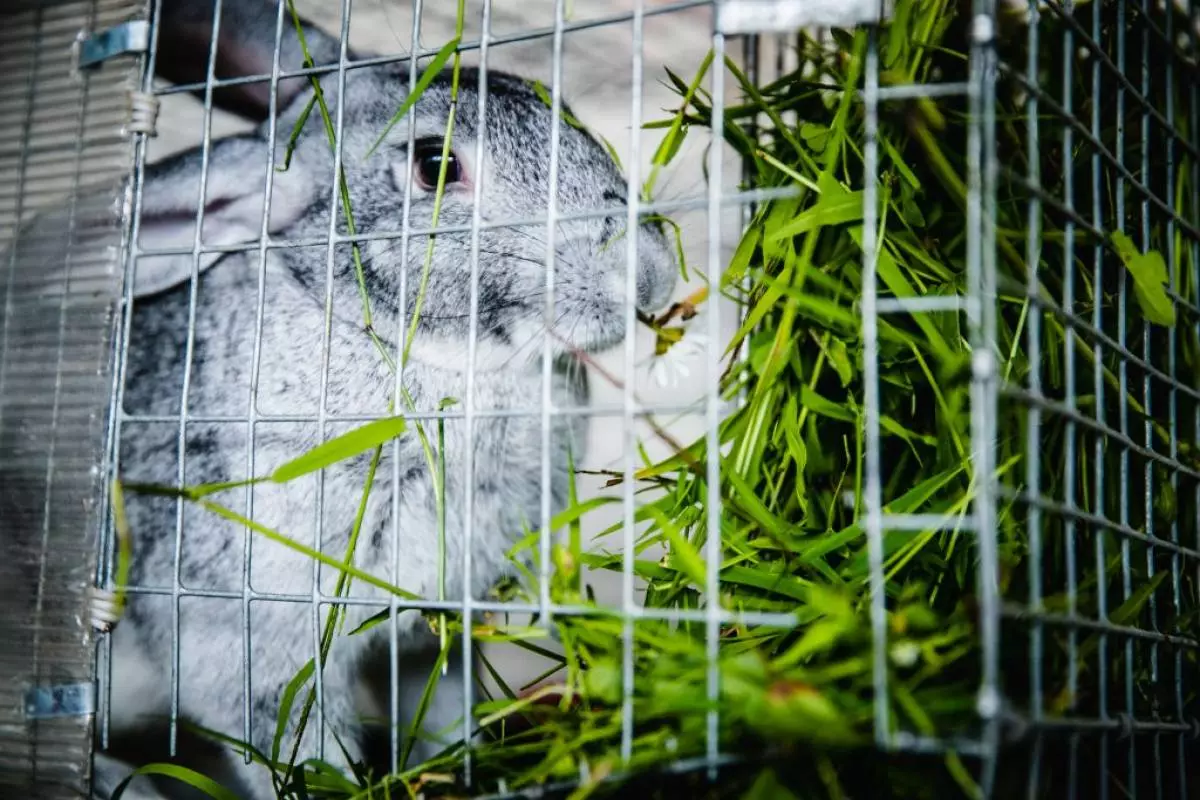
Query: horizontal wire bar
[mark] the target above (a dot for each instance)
(1019, 612)
(1138, 17)
(1149, 24)
(907, 91)
(1046, 404)
(1080, 324)
(926, 522)
(1143, 104)
(1128, 356)
(918, 305)
(1061, 509)
(1122, 723)
(493, 413)
(474, 44)
(1106, 155)
(750, 618)
(932, 745)
(692, 204)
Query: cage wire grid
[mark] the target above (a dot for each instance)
(1083, 136)
(1165, 649)
(545, 608)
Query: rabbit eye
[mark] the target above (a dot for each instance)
(427, 164)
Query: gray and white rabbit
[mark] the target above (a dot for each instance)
(310, 365)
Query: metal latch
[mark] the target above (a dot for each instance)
(95, 48)
(63, 700)
(782, 16)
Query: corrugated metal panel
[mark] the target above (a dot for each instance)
(64, 159)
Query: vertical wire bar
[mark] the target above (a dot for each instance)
(1194, 247)
(189, 349)
(713, 549)
(873, 499)
(547, 354)
(255, 369)
(398, 397)
(1098, 454)
(632, 225)
(750, 68)
(469, 406)
(1172, 371)
(326, 348)
(1123, 382)
(981, 269)
(1147, 401)
(1070, 432)
(751, 63)
(120, 355)
(1033, 441)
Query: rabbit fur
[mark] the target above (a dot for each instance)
(297, 345)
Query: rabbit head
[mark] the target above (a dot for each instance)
(590, 253)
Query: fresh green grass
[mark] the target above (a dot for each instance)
(797, 703)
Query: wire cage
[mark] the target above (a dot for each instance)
(286, 376)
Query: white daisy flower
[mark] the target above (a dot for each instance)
(668, 366)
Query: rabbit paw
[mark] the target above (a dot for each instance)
(105, 608)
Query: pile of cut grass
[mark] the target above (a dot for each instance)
(793, 469)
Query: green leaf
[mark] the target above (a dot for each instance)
(1149, 273)
(825, 407)
(295, 135)
(431, 683)
(422, 84)
(181, 774)
(124, 543)
(741, 257)
(370, 622)
(612, 151)
(814, 135)
(671, 141)
(285, 704)
(360, 440)
(328, 778)
(767, 787)
(840, 358)
(688, 557)
(1127, 612)
(544, 95)
(316, 555)
(836, 206)
(818, 638)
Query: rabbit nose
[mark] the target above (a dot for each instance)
(656, 270)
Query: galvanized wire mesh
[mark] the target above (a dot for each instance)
(1110, 595)
(1106, 593)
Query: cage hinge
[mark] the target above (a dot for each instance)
(61, 700)
(92, 49)
(782, 16)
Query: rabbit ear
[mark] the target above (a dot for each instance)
(245, 46)
(233, 207)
